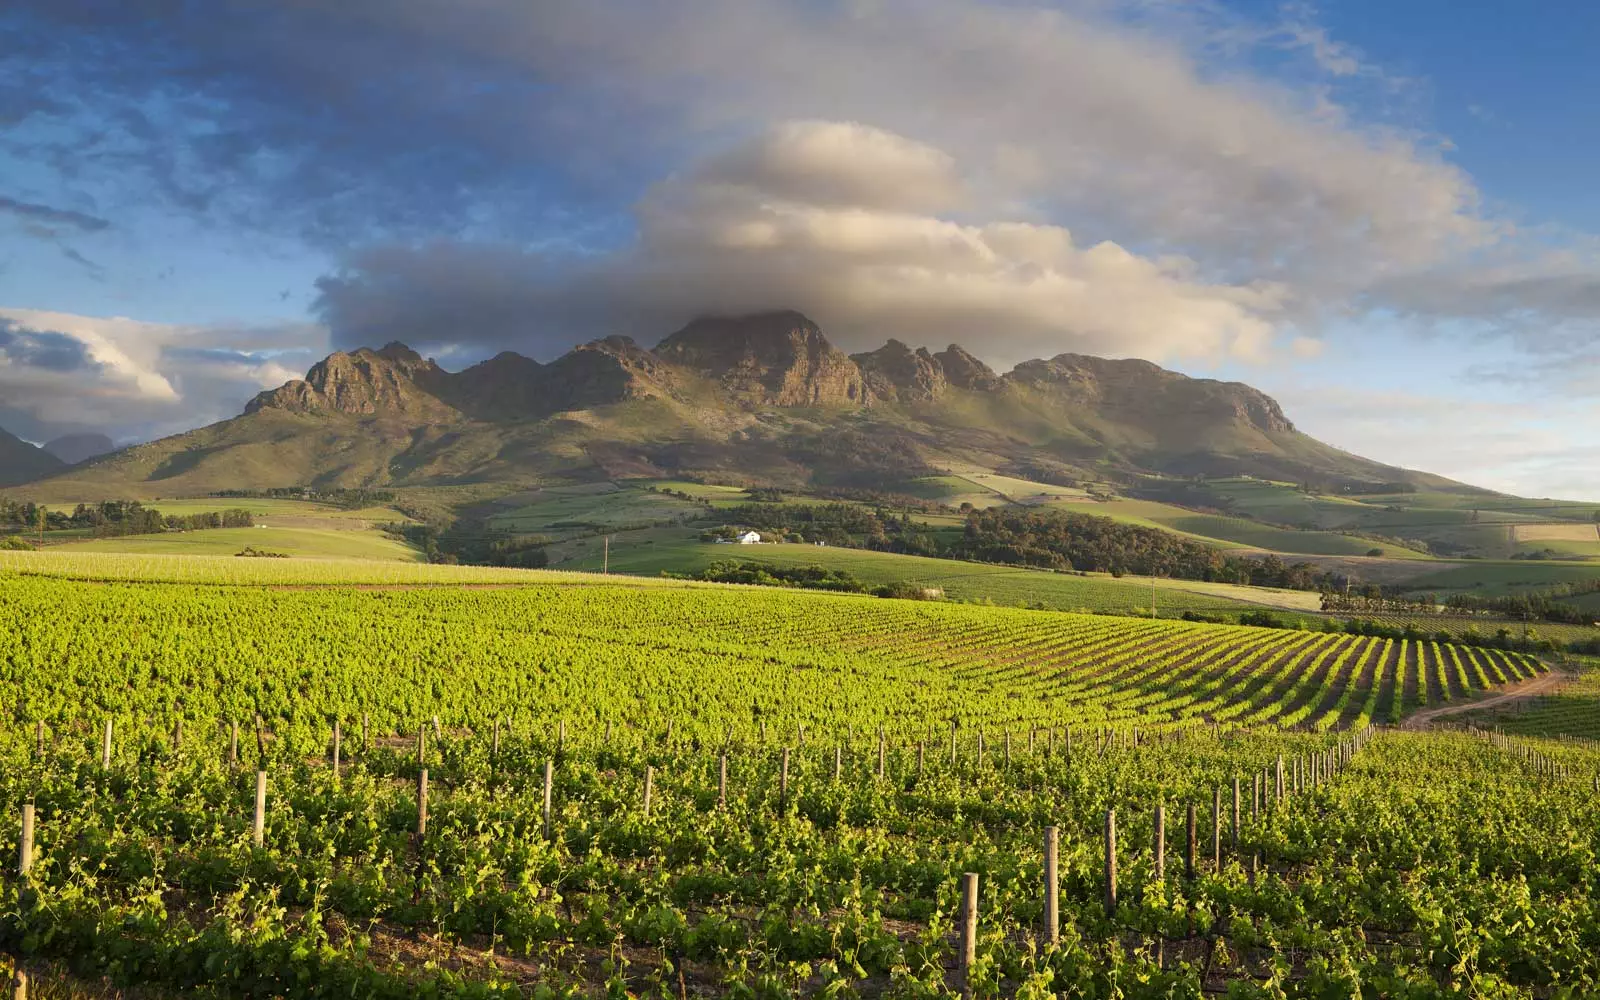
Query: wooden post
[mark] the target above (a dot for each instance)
(177, 734)
(259, 832)
(1278, 797)
(233, 743)
(882, 752)
(1216, 828)
(1255, 798)
(783, 779)
(366, 744)
(25, 853)
(1159, 847)
(649, 780)
(1008, 749)
(549, 789)
(105, 748)
(1235, 814)
(38, 729)
(952, 744)
(422, 746)
(338, 738)
(919, 762)
(422, 802)
(722, 781)
(980, 750)
(969, 930)
(1052, 888)
(438, 730)
(1031, 731)
(1189, 851)
(1111, 862)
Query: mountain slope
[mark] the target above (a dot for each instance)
(21, 462)
(757, 399)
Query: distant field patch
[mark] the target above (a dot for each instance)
(1556, 532)
(305, 543)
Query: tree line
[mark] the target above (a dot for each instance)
(113, 518)
(1044, 539)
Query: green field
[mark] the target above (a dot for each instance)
(305, 543)
(960, 581)
(635, 788)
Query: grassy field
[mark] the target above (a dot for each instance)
(960, 581)
(1491, 578)
(1238, 532)
(304, 543)
(580, 508)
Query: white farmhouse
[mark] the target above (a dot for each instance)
(749, 538)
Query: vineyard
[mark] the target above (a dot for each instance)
(673, 791)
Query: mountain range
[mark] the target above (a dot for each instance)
(758, 399)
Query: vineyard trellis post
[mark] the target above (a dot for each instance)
(105, 747)
(722, 781)
(1190, 845)
(1236, 814)
(25, 847)
(969, 930)
(783, 780)
(549, 792)
(1216, 828)
(1052, 887)
(259, 830)
(422, 803)
(1111, 862)
(337, 737)
(649, 780)
(1159, 847)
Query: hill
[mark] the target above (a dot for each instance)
(763, 399)
(21, 462)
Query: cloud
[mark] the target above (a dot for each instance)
(95, 270)
(840, 218)
(46, 350)
(52, 216)
(62, 373)
(1111, 175)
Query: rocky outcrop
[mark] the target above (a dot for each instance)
(896, 373)
(612, 370)
(1157, 397)
(964, 371)
(771, 359)
(393, 380)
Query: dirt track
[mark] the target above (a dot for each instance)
(1542, 684)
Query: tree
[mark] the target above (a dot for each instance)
(40, 517)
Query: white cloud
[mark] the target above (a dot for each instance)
(135, 380)
(855, 236)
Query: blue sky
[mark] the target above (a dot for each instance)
(1380, 213)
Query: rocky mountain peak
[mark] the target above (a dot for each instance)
(1151, 393)
(964, 371)
(362, 382)
(772, 359)
(896, 373)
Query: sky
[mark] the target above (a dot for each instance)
(1382, 214)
